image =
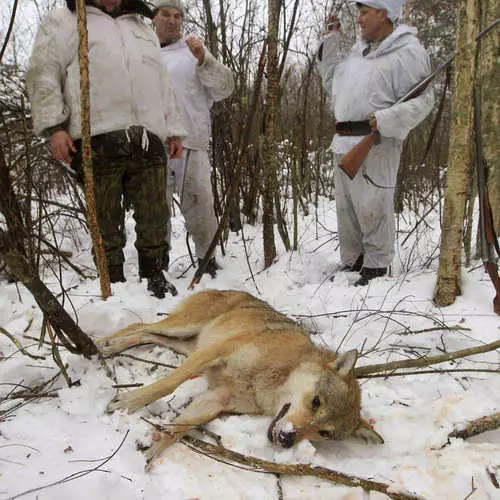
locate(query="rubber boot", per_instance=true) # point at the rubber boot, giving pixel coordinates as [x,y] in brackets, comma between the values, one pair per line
[115,272]
[355,268]
[368,273]
[211,268]
[151,269]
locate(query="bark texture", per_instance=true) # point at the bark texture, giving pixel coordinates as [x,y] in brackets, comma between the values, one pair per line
[270,145]
[87,152]
[489,77]
[458,177]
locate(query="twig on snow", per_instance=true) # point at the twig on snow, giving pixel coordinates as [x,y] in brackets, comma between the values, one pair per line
[424,372]
[259,465]
[18,344]
[75,475]
[477,426]
[425,361]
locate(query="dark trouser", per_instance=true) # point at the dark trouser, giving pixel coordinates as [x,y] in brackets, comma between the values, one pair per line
[123,170]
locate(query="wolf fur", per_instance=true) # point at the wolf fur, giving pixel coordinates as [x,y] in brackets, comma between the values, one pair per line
[257,361]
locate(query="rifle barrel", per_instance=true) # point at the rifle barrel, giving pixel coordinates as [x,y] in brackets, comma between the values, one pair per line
[423,84]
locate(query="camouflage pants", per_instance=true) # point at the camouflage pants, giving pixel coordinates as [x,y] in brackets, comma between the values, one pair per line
[124,172]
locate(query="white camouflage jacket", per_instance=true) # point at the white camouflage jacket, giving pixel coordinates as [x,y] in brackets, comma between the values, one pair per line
[197,87]
[360,85]
[128,85]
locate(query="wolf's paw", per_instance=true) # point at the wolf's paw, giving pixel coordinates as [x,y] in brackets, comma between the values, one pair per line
[156,449]
[127,401]
[107,346]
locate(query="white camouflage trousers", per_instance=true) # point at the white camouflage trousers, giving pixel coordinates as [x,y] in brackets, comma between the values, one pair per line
[189,176]
[365,207]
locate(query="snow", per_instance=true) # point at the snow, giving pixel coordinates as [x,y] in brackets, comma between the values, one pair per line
[44,441]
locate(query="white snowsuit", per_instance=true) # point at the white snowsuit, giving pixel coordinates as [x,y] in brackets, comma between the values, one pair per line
[360,85]
[126,83]
[196,87]
[130,92]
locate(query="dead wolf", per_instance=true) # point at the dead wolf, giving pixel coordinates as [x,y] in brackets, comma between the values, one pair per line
[257,361]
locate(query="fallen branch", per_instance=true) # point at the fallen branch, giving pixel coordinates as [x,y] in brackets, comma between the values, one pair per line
[455,328]
[425,361]
[423,372]
[263,466]
[32,396]
[142,360]
[19,345]
[126,386]
[477,426]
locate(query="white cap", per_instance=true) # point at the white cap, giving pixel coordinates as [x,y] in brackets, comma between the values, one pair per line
[393,7]
[175,4]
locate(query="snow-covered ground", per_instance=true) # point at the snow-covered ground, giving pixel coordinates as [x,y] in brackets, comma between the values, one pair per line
[62,439]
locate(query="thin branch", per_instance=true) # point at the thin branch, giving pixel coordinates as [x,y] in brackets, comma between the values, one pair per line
[426,361]
[477,426]
[422,372]
[19,345]
[264,466]
[455,328]
[9,30]
[142,360]
[75,475]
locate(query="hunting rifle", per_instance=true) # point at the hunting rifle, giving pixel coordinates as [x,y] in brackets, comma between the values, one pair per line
[351,162]
[489,241]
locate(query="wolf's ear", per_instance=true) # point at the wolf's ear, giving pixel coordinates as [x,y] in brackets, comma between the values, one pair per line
[344,364]
[366,432]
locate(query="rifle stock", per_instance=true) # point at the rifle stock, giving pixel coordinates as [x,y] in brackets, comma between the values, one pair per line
[351,162]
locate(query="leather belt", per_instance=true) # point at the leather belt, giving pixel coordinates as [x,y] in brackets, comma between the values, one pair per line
[353,128]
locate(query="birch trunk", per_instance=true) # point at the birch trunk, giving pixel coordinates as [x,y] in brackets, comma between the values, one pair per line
[458,178]
[489,74]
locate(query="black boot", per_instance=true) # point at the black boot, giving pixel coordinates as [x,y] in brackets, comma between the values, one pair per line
[115,272]
[356,267]
[151,269]
[368,273]
[159,285]
[211,268]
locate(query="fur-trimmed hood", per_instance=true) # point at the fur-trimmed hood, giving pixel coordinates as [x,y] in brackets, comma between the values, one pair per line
[128,7]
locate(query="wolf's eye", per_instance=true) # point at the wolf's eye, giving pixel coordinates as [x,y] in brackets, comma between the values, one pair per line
[325,434]
[316,403]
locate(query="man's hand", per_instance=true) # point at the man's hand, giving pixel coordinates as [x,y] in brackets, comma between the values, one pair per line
[61,145]
[196,48]
[332,24]
[174,147]
[372,121]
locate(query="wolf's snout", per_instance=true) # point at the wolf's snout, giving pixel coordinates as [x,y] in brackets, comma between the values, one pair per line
[287,439]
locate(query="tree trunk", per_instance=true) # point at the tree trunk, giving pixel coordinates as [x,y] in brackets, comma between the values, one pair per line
[94,230]
[458,175]
[211,28]
[489,74]
[270,146]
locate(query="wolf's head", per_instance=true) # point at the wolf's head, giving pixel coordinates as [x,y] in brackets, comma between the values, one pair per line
[321,401]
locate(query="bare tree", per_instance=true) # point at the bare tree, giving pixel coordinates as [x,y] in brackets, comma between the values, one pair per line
[459,174]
